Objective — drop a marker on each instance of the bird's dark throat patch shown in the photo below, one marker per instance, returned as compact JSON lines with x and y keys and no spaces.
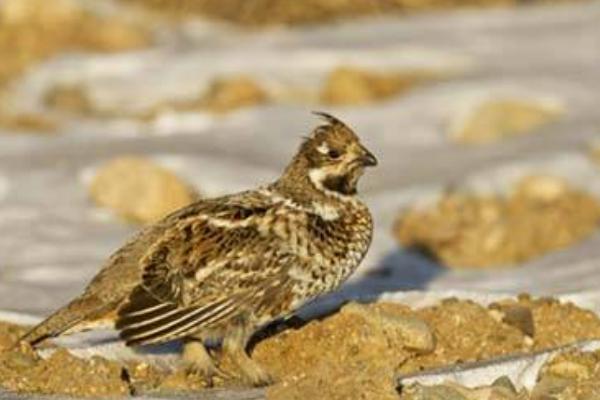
{"x":344,"y":184}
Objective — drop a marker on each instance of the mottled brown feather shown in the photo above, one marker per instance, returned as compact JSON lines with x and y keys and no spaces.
{"x":174,"y":265}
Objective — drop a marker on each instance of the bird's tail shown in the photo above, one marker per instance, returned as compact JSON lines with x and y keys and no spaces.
{"x":68,"y":318}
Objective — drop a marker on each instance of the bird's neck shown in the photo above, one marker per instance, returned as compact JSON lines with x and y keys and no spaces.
{"x":301,"y":186}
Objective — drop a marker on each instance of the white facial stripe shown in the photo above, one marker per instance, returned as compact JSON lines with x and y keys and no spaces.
{"x":317,"y":176}
{"x":323,"y":148}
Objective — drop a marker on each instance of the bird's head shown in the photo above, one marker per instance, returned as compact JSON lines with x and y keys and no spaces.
{"x":331,"y":159}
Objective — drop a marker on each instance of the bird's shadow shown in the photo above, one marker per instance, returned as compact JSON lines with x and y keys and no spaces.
{"x":401,"y":269}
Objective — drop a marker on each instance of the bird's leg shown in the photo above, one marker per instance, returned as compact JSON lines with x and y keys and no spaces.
{"x":198,"y":360}
{"x":234,"y":346}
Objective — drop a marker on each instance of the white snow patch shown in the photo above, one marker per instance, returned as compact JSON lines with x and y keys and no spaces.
{"x":4,"y":187}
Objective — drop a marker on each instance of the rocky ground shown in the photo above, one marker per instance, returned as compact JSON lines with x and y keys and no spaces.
{"x":360,"y":347}
{"x":484,"y":119}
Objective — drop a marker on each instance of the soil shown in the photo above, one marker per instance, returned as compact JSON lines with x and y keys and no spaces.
{"x":350,"y":358}
{"x":291,"y":12}
{"x":571,"y":375}
{"x":23,"y":370}
{"x":355,"y":351}
{"x":542,"y":214}
{"x":29,"y":122}
{"x":30,"y":32}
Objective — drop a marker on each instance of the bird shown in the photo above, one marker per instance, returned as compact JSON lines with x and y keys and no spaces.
{"x":222,"y":269}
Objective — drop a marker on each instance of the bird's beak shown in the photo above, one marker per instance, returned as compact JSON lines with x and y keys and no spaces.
{"x":367,"y":158}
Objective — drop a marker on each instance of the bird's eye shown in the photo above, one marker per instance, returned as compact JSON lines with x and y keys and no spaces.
{"x":334,"y":154}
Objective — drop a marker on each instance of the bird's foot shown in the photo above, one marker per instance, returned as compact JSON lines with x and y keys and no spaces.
{"x":234,"y":348}
{"x":199,"y":362}
{"x":257,"y":377}
{"x":208,"y":374}
{"x":251,"y":373}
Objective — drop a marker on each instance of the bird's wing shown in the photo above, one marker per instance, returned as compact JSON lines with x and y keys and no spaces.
{"x":211,"y":265}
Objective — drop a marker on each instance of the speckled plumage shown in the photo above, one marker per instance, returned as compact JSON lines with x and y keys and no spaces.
{"x":223,"y":268}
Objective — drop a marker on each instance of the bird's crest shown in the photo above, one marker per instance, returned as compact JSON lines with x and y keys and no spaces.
{"x":332,"y":122}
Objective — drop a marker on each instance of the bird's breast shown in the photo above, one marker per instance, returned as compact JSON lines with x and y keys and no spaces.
{"x":332,"y":250}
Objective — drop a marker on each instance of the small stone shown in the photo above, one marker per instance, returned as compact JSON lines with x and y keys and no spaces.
{"x":416,"y":334}
{"x":517,"y":316}
{"x":505,"y":383}
{"x":179,"y":381}
{"x":139,"y":190}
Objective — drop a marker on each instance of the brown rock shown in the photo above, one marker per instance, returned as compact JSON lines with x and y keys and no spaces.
{"x":506,"y":384}
{"x":416,"y":334}
{"x":518,"y":316}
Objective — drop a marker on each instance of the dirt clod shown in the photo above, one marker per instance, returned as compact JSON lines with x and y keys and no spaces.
{"x":223,"y":95}
{"x":139,"y":190}
{"x":493,"y":120}
{"x":69,"y":98}
{"x":348,"y":85}
{"x":462,"y":230}
{"x":33,"y":30}
{"x":292,"y":12}
{"x":27,"y":122}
